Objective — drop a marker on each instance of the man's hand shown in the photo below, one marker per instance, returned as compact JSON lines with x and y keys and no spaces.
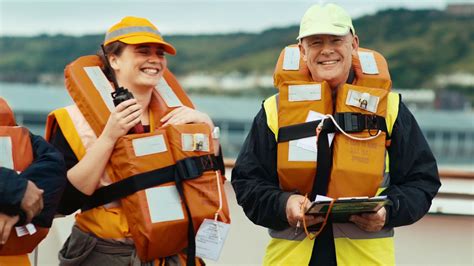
{"x":32,"y":202}
{"x":6,"y":226}
{"x":370,"y":222}
{"x":294,"y":212}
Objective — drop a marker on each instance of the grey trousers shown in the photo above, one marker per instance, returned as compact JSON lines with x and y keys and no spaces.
{"x":85,"y":249}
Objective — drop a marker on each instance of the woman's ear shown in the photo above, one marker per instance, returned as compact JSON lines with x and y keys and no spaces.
{"x":113,"y":61}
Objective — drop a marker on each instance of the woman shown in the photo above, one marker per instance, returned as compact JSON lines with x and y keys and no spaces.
{"x":136,"y":55}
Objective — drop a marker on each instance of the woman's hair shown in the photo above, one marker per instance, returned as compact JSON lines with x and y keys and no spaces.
{"x":115,"y":48}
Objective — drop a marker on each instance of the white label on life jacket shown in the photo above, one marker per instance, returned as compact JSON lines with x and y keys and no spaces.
{"x":195,"y":142}
{"x":291,"y":58}
{"x":368,"y":63}
{"x":168,"y":94}
{"x":28,"y":229}
{"x":363,"y":100}
{"x":21,"y":231}
{"x":305,"y":92}
{"x":210,"y":239}
{"x":6,"y":154}
{"x":298,"y":154}
{"x":102,"y":85}
{"x":149,"y":145}
{"x":164,"y":204}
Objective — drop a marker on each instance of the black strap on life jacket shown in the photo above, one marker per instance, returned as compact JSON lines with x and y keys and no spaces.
{"x":323,"y":167}
{"x":186,"y":169}
{"x":349,"y":122}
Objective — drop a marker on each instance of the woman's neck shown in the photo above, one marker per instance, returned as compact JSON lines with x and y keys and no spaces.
{"x":143,"y":98}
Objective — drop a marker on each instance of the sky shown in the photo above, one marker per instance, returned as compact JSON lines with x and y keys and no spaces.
{"x":73,"y":17}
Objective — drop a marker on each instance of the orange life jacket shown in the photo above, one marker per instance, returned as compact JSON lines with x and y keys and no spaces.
{"x":21,"y":157}
{"x":165,"y":151}
{"x":357,"y":166}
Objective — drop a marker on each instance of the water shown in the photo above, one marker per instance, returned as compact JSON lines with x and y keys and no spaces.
{"x":450,"y":134}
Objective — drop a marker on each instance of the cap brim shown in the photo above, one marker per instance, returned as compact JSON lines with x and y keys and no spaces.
{"x":329,"y":29}
{"x":147,"y":39}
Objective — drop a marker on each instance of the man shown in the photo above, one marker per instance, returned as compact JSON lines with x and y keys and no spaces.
{"x":272,"y":194}
{"x":32,"y":179}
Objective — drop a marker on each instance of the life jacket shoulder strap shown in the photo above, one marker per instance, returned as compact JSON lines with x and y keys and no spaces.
{"x":61,"y":118}
{"x":270,"y":106}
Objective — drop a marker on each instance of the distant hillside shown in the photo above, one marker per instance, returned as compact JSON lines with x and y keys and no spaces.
{"x":417,"y":44}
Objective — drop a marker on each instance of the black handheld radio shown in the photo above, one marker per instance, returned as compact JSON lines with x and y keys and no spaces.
{"x":121,"y":94}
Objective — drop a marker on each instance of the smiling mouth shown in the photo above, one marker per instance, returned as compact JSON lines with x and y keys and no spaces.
{"x":150,"y":71}
{"x":329,"y":62}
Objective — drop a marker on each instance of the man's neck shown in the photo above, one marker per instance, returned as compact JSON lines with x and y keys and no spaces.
{"x":350,"y":80}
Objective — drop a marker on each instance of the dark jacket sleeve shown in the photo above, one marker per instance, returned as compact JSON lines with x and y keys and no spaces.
{"x":255,"y":179}
{"x":48,"y":172}
{"x":12,"y":189}
{"x":414,"y":179}
{"x":72,"y":199}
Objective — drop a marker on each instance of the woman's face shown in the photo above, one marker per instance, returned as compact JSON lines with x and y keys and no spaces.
{"x":139,"y":66}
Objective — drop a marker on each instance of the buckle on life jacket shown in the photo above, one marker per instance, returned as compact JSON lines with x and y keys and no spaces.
{"x":188,"y":169}
{"x":192,"y":167}
{"x":351,"y":122}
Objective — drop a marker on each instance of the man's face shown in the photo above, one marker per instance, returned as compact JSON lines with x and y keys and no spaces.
{"x":329,"y":57}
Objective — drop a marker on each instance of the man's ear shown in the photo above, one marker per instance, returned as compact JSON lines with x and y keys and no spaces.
{"x":302,"y":50}
{"x":355,"y":43}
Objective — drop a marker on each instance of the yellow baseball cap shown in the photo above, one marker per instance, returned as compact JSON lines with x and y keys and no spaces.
{"x":135,"y":30}
{"x":325,"y":19}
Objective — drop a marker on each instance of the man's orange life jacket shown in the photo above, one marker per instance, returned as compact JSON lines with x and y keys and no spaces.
{"x":18,"y":157}
{"x":171,"y":160}
{"x":357,"y":166}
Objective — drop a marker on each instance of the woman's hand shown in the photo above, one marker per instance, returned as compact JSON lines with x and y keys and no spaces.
{"x":86,"y":174}
{"x":186,"y":115}
{"x":126,"y":115}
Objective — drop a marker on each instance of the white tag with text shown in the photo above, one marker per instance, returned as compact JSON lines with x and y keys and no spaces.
{"x":21,"y":231}
{"x":306,"y":92}
{"x":149,"y":145}
{"x":195,"y":142}
{"x":210,"y":239}
{"x":368,"y":63}
{"x":164,"y":204}
{"x":6,"y":154}
{"x":30,"y":228}
{"x":362,"y":100}
{"x":291,"y":59}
